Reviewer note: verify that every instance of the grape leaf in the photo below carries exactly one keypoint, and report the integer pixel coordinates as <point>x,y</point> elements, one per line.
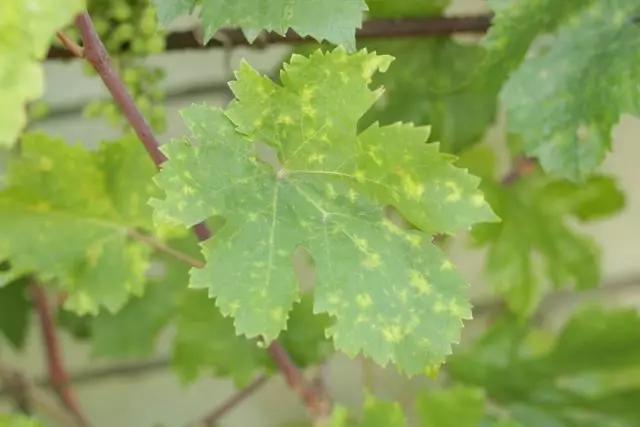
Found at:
<point>332,20</point>
<point>559,386</point>
<point>557,101</point>
<point>15,309</point>
<point>453,407</point>
<point>18,420</point>
<point>79,327</point>
<point>26,30</point>
<point>199,318</point>
<point>376,413</point>
<point>205,339</point>
<point>417,90</point>
<point>515,25</point>
<point>305,338</point>
<point>459,406</point>
<point>132,331</point>
<point>62,217</point>
<point>404,301</point>
<point>394,9</point>
<point>534,234</point>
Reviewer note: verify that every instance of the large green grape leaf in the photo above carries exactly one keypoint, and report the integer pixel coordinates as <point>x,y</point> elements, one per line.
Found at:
<point>567,380</point>
<point>15,308</point>
<point>132,331</point>
<point>332,20</point>
<point>515,25</point>
<point>418,90</point>
<point>26,31</point>
<point>393,294</point>
<point>62,217</point>
<point>535,243</point>
<point>18,420</point>
<point>558,102</point>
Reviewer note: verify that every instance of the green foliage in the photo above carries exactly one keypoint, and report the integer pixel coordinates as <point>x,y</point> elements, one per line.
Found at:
<point>514,28</point>
<point>562,383</point>
<point>314,198</point>
<point>331,20</point>
<point>26,30</point>
<point>417,90</point>
<point>18,420</point>
<point>313,163</point>
<point>65,197</point>
<point>535,243</point>
<point>565,101</point>
<point>14,311</point>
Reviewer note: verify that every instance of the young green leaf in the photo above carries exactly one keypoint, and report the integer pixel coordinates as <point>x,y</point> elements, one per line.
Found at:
<point>394,295</point>
<point>26,31</point>
<point>332,20</point>
<point>15,309</point>
<point>559,102</point>
<point>62,217</point>
<point>534,243</point>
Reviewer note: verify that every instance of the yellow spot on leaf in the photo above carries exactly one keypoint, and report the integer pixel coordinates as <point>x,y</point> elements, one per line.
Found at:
<point>284,119</point>
<point>46,164</point>
<point>446,265</point>
<point>233,307</point>
<point>392,333</point>
<point>456,191</point>
<point>412,189</point>
<point>330,191</point>
<point>316,158</point>
<point>419,282</point>
<point>371,261</point>
<point>277,314</point>
<point>363,300</point>
<point>477,200</point>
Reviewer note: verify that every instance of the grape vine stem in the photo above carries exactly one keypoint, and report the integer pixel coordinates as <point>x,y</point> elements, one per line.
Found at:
<point>94,51</point>
<point>37,399</point>
<point>56,370</point>
<point>211,420</point>
<point>427,26</point>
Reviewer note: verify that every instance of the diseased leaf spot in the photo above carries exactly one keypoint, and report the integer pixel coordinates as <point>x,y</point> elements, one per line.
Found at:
<point>419,282</point>
<point>364,300</point>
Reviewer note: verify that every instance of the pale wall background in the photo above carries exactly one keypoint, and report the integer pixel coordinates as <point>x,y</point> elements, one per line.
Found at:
<point>155,395</point>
